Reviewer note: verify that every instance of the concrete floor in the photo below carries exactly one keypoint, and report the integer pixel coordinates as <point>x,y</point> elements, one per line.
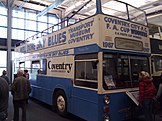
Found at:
<point>37,111</point>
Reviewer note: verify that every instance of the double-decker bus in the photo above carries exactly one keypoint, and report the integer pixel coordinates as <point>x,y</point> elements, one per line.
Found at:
<point>87,67</point>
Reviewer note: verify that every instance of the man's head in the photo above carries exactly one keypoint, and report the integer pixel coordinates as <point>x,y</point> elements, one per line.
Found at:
<point>19,73</point>
<point>25,71</point>
<point>4,72</point>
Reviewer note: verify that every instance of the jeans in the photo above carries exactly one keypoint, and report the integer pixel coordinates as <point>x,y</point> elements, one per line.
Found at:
<point>147,106</point>
<point>19,104</point>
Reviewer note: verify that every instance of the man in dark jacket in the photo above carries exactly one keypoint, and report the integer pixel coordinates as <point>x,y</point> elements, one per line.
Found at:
<point>4,94</point>
<point>20,90</point>
<point>4,75</point>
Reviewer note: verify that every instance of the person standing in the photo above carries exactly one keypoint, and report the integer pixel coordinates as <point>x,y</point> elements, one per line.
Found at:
<point>20,90</point>
<point>4,96</point>
<point>26,74</point>
<point>4,75</point>
<point>158,96</point>
<point>146,94</point>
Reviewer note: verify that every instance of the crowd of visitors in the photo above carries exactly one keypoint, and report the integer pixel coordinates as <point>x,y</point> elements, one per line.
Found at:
<point>20,90</point>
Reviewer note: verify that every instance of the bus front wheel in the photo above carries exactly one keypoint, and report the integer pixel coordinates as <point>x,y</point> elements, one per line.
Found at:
<point>61,103</point>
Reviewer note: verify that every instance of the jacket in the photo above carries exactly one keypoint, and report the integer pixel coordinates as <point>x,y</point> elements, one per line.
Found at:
<point>20,88</point>
<point>146,89</point>
<point>4,95</point>
<point>6,78</point>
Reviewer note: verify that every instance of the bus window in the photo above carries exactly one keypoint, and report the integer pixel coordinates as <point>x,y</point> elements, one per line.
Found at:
<point>43,69</point>
<point>109,71</point>
<point>138,64</point>
<point>158,63</point>
<point>28,67</point>
<point>22,65</point>
<point>35,66</point>
<point>34,69</point>
<point>16,67</point>
<point>121,71</point>
<point>86,71</point>
<point>39,67</point>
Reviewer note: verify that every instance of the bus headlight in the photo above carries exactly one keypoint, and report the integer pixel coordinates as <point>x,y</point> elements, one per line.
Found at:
<point>107,99</point>
<point>106,118</point>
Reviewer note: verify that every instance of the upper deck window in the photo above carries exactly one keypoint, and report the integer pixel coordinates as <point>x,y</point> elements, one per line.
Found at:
<point>136,15</point>
<point>80,10</point>
<point>114,8</point>
<point>124,11</point>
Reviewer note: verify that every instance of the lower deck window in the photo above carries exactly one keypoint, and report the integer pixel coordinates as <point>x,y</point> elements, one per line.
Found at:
<point>86,70</point>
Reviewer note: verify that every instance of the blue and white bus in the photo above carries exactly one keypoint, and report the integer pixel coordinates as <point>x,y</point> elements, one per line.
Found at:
<point>87,67</point>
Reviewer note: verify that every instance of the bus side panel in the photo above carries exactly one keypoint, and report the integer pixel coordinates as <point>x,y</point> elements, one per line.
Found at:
<point>89,105</point>
<point>44,86</point>
<point>120,106</point>
<point>84,104</point>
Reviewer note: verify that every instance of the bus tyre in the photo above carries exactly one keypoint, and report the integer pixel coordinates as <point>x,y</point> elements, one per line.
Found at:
<point>61,103</point>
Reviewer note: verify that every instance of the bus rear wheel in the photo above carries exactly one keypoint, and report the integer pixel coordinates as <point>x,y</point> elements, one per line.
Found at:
<point>61,103</point>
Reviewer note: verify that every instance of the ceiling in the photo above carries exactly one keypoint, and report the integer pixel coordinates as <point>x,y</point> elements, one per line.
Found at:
<point>153,8</point>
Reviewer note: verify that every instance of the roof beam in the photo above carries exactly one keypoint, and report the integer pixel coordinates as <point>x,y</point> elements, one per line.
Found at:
<point>2,4</point>
<point>12,2</point>
<point>53,5</point>
<point>35,7</point>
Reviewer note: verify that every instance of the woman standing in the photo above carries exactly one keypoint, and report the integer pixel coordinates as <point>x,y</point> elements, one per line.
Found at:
<point>146,94</point>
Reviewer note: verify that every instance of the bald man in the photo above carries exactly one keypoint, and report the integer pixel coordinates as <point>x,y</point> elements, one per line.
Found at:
<point>20,90</point>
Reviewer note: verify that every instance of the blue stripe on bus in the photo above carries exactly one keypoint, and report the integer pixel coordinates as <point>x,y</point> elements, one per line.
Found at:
<point>87,49</point>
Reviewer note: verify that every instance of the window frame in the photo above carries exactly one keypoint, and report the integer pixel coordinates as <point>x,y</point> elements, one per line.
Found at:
<point>85,81</point>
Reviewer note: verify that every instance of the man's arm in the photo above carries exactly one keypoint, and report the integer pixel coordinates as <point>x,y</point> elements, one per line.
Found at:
<point>13,87</point>
<point>28,87</point>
